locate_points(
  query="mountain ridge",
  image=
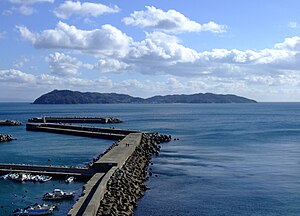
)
(77, 97)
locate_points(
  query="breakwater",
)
(106, 194)
(127, 184)
(75, 119)
(6, 137)
(105, 133)
(117, 177)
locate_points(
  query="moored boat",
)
(58, 194)
(70, 179)
(22, 177)
(36, 209)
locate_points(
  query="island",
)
(76, 97)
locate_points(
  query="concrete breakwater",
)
(106, 133)
(119, 175)
(129, 159)
(6, 138)
(75, 119)
(127, 184)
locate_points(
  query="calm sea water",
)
(230, 159)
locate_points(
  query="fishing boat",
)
(35, 209)
(70, 179)
(22, 177)
(43, 178)
(58, 194)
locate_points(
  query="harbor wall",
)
(77, 131)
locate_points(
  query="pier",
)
(95, 188)
(87, 131)
(91, 120)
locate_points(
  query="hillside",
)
(76, 97)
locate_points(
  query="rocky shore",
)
(6, 138)
(127, 184)
(10, 123)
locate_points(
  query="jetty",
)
(115, 180)
(87, 131)
(75, 119)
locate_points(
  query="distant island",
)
(76, 97)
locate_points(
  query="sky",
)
(150, 47)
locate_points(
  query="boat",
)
(22, 177)
(70, 179)
(6, 176)
(58, 194)
(35, 209)
(44, 178)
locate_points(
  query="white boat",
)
(58, 194)
(70, 179)
(6, 176)
(22, 177)
(36, 209)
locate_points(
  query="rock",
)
(10, 123)
(6, 138)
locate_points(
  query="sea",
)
(226, 159)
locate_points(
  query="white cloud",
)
(16, 76)
(63, 65)
(110, 65)
(159, 53)
(25, 10)
(107, 41)
(160, 46)
(20, 63)
(30, 2)
(69, 8)
(170, 21)
(293, 25)
(289, 44)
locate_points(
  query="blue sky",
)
(146, 48)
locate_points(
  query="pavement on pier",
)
(88, 204)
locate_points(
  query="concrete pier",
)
(105, 133)
(116, 156)
(91, 120)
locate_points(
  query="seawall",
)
(105, 133)
(91, 120)
(116, 192)
(118, 176)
